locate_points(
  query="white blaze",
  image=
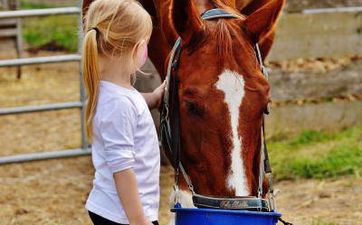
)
(232, 84)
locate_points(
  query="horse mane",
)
(223, 35)
(224, 31)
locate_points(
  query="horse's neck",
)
(162, 36)
(158, 52)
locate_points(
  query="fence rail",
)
(44, 155)
(35, 13)
(84, 150)
(333, 10)
(6, 33)
(39, 12)
(39, 60)
(40, 108)
(316, 33)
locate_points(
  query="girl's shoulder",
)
(117, 98)
(120, 103)
(116, 102)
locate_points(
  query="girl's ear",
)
(186, 20)
(140, 53)
(263, 20)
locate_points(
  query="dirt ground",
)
(40, 84)
(54, 192)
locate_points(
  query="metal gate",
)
(84, 150)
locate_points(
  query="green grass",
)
(318, 155)
(39, 4)
(61, 32)
(31, 5)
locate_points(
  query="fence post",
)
(81, 85)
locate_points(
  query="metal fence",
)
(49, 107)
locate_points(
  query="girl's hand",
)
(154, 99)
(158, 94)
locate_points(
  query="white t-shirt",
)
(124, 136)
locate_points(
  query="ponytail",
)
(91, 77)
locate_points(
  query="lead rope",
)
(284, 222)
(170, 67)
(187, 179)
(265, 168)
(268, 170)
(261, 167)
(176, 142)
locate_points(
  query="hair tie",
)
(94, 28)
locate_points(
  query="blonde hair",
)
(113, 27)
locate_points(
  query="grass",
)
(32, 5)
(53, 32)
(318, 155)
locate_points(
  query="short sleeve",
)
(117, 127)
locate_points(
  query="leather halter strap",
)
(170, 135)
(217, 13)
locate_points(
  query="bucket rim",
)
(218, 211)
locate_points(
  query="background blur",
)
(314, 130)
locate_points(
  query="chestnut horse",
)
(222, 91)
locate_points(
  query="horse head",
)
(222, 96)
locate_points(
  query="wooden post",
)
(11, 28)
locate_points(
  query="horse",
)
(221, 90)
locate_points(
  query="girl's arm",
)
(127, 190)
(117, 125)
(154, 98)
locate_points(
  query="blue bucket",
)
(194, 216)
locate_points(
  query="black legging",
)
(98, 220)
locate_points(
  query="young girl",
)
(125, 150)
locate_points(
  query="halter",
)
(170, 135)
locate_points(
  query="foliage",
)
(315, 154)
(50, 33)
(31, 5)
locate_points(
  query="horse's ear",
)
(263, 20)
(186, 20)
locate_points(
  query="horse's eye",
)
(194, 109)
